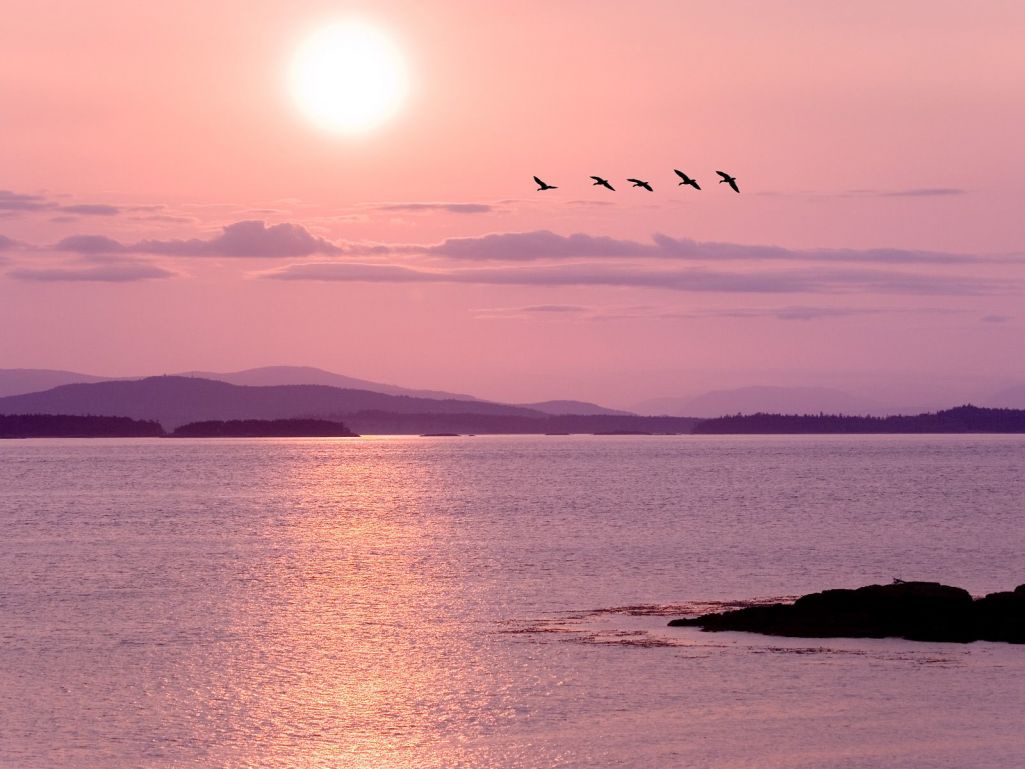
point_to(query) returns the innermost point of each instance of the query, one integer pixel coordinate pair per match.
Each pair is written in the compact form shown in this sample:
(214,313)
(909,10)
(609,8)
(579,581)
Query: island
(916,611)
(68,426)
(265,428)
(963,419)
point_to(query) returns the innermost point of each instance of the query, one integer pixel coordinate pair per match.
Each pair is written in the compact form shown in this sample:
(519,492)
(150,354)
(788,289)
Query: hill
(269,376)
(174,401)
(963,419)
(66,426)
(17,381)
(265,428)
(573,407)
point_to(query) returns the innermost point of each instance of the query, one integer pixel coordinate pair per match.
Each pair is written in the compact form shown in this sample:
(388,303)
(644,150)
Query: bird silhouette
(603,182)
(730,180)
(542,186)
(687,180)
(639,183)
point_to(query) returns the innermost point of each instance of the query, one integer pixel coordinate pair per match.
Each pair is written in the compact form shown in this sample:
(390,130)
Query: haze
(168,207)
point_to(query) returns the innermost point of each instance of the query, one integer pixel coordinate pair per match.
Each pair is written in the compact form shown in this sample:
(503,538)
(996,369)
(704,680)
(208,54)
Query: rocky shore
(917,611)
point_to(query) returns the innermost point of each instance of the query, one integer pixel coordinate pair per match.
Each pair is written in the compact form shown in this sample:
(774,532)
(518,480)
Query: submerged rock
(917,611)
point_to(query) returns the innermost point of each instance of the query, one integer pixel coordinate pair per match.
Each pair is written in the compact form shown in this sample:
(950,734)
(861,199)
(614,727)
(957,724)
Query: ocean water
(495,602)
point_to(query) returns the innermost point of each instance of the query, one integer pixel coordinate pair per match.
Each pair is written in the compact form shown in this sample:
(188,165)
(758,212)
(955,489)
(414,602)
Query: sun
(348,77)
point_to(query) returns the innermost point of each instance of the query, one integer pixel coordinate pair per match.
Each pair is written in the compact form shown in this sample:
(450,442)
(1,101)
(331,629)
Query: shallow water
(494,601)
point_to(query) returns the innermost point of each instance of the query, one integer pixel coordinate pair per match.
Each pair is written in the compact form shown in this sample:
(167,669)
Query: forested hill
(963,419)
(265,428)
(68,426)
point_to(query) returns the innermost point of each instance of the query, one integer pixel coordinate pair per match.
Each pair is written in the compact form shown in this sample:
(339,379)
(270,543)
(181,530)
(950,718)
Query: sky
(167,205)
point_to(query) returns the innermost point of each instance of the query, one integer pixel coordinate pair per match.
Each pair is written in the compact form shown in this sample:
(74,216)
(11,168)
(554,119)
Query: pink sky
(877,144)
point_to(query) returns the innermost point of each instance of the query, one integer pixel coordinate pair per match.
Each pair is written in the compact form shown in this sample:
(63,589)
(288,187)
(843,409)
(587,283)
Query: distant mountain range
(16,381)
(24,381)
(573,407)
(267,376)
(175,400)
(716,403)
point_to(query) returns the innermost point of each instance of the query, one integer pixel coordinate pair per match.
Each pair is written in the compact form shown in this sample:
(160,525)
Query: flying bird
(603,182)
(542,186)
(730,180)
(639,183)
(687,180)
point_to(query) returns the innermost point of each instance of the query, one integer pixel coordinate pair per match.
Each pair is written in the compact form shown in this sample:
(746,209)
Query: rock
(917,611)
(1001,616)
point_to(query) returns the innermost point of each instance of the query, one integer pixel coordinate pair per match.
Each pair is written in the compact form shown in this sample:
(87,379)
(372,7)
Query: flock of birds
(599,181)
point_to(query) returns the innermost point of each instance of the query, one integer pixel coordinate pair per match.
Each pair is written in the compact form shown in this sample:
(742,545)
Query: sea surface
(495,602)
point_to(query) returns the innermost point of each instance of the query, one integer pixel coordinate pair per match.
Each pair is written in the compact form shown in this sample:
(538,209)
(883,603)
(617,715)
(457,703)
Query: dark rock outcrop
(1001,616)
(917,611)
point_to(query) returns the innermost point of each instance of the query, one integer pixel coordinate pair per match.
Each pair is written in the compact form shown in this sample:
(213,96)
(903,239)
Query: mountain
(774,400)
(176,400)
(1010,398)
(23,381)
(308,375)
(15,381)
(574,407)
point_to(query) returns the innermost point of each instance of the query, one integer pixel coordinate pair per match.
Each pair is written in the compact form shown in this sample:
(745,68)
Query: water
(494,602)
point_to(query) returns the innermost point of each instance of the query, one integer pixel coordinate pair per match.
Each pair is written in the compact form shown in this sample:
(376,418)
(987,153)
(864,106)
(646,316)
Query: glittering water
(494,602)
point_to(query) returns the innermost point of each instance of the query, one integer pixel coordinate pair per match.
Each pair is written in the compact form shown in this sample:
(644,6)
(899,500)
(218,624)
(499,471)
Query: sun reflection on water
(355,635)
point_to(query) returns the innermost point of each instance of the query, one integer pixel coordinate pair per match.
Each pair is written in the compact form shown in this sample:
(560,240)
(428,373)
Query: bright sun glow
(348,77)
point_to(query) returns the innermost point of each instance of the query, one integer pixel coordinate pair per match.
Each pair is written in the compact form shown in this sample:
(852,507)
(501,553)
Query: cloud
(171,218)
(92,209)
(996,318)
(89,244)
(534,309)
(795,313)
(253,238)
(914,192)
(452,208)
(245,239)
(7,244)
(540,244)
(241,239)
(546,308)
(13,201)
(110,273)
(670,312)
(547,245)
(689,280)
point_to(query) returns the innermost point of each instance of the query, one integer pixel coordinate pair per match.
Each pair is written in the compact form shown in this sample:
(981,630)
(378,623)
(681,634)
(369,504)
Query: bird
(603,182)
(542,186)
(730,180)
(687,180)
(639,183)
